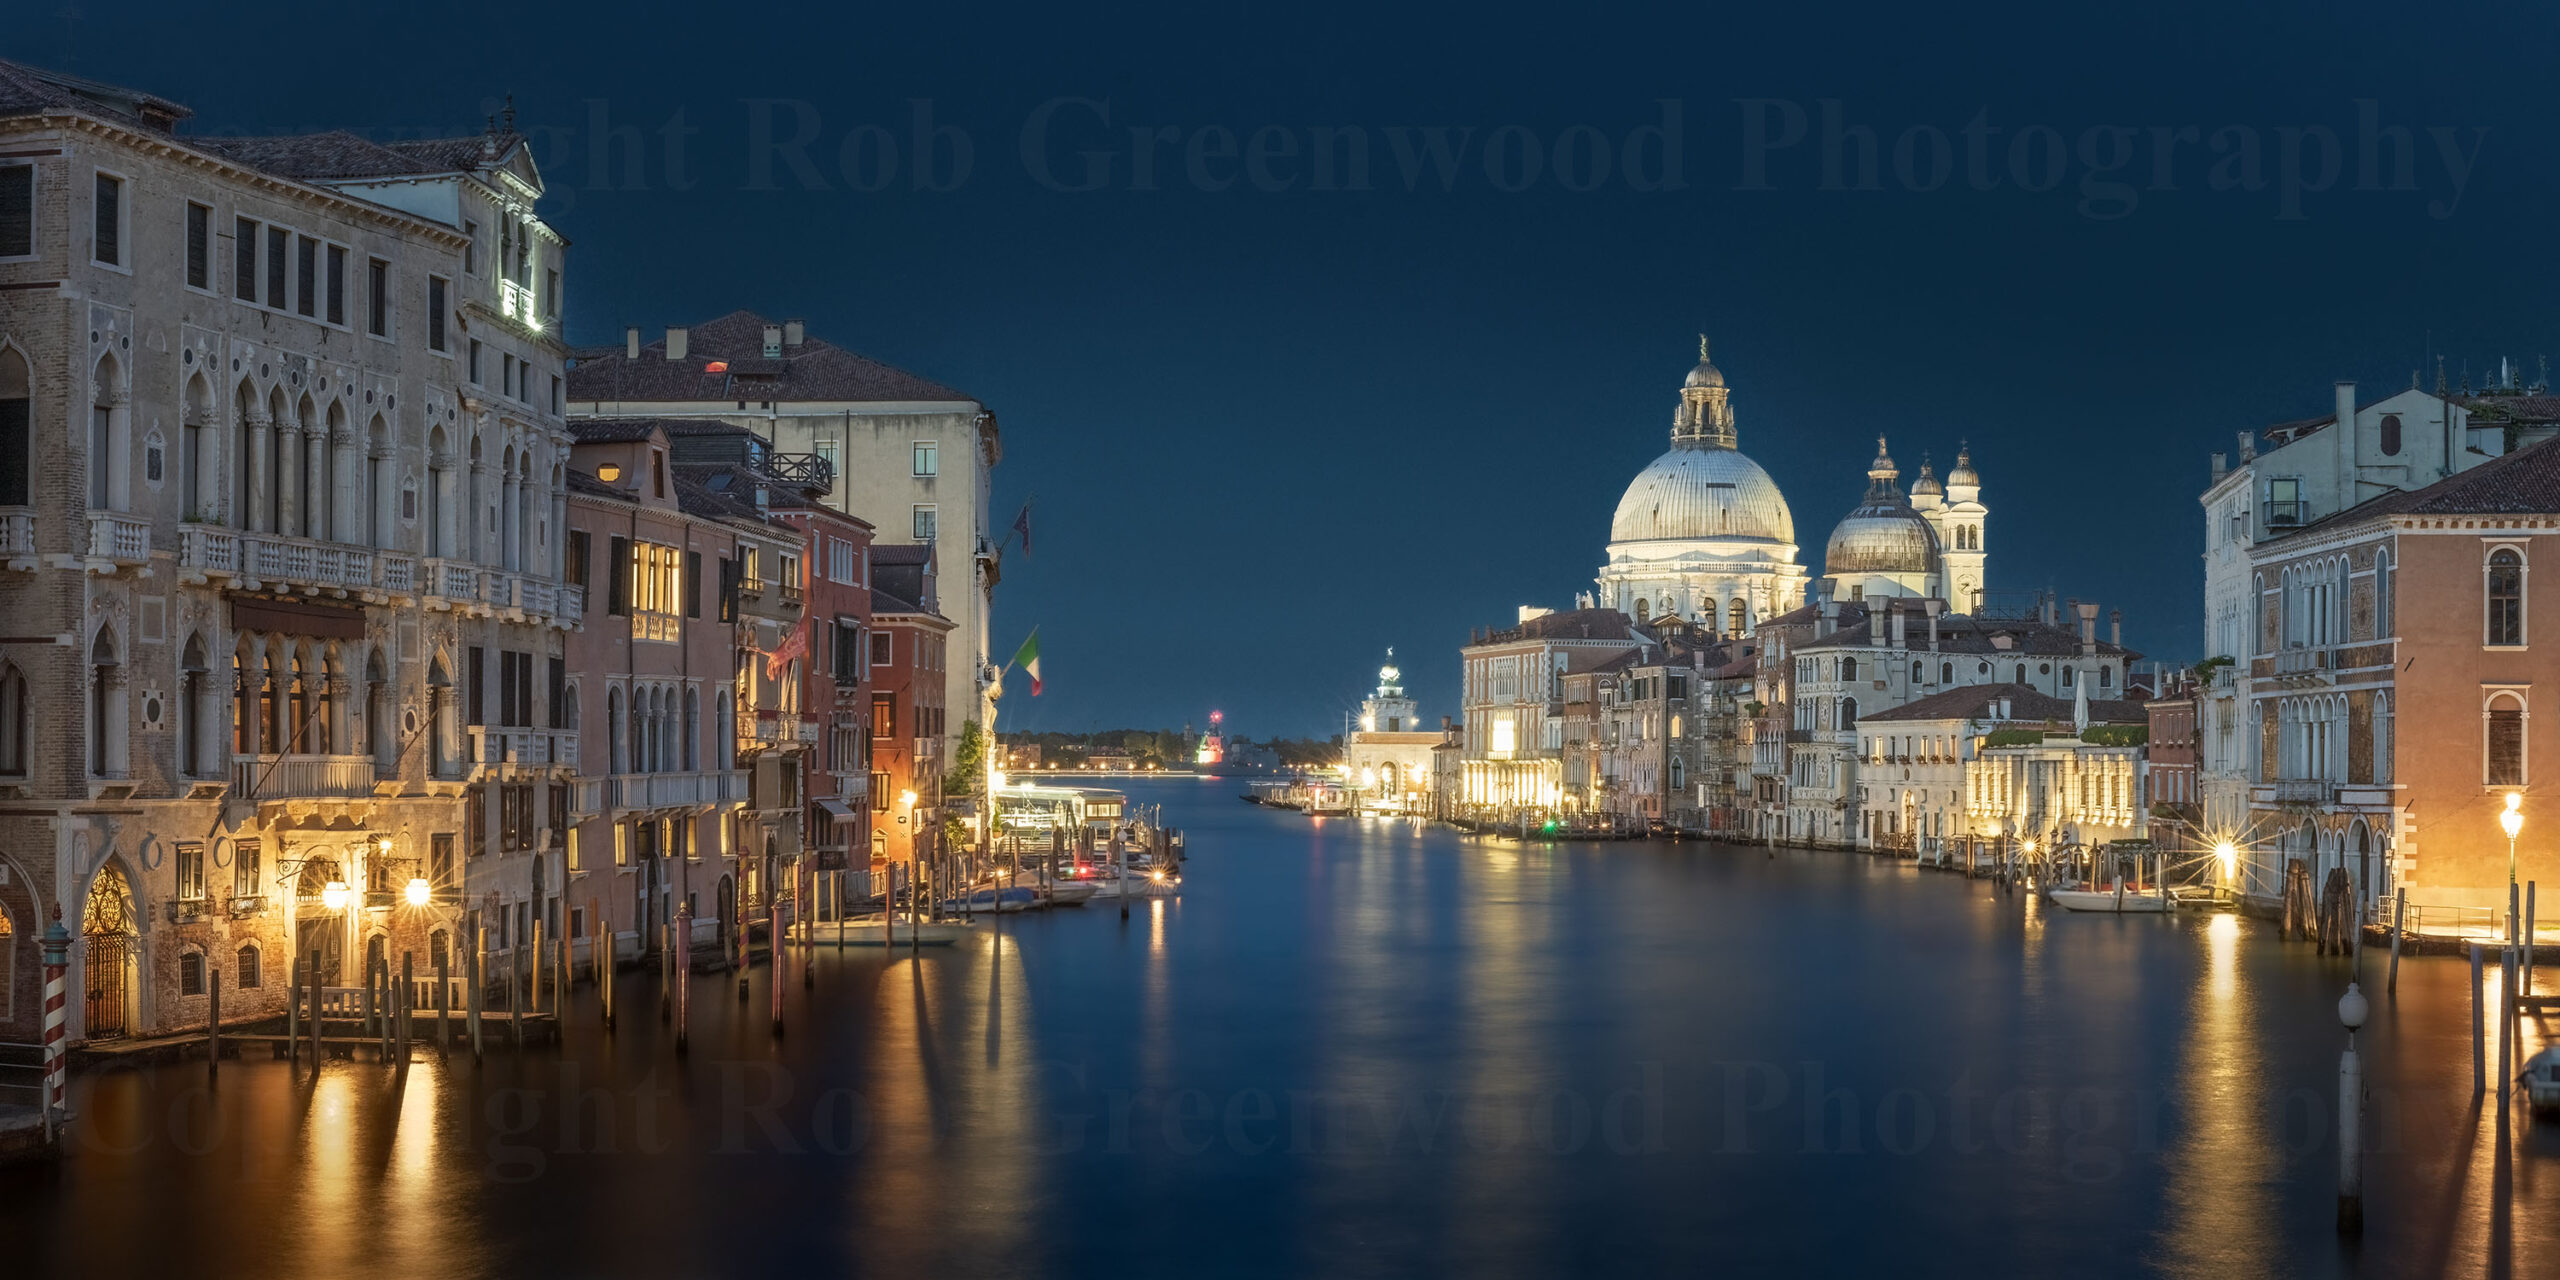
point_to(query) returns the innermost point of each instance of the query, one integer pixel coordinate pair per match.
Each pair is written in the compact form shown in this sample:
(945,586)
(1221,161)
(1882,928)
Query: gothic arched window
(2505,621)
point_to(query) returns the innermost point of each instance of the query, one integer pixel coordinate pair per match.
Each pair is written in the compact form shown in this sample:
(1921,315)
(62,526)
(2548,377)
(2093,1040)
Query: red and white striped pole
(57,967)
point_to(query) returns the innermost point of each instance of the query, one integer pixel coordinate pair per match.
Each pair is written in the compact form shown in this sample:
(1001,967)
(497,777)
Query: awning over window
(837,809)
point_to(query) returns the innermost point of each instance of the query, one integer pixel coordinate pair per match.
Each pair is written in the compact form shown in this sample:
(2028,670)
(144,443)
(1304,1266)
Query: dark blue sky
(1274,428)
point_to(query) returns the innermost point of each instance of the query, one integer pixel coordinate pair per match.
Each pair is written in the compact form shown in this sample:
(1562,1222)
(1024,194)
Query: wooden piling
(408,999)
(444,1000)
(600,959)
(213,1019)
(515,991)
(364,1001)
(293,1009)
(316,1013)
(683,969)
(381,977)
(472,993)
(774,971)
(2524,958)
(2506,1025)
(2399,924)
(2479,1029)
(533,977)
(666,971)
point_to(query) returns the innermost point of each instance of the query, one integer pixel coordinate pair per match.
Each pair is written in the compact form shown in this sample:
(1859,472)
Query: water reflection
(1395,1005)
(2221,1167)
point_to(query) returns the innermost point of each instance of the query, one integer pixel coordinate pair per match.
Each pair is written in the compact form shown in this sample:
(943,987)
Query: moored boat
(2120,900)
(866,931)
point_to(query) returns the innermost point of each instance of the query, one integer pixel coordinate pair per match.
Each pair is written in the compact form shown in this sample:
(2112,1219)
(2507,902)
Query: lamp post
(2351,1014)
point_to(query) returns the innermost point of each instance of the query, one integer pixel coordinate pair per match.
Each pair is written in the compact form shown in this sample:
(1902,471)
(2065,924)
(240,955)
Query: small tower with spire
(1960,527)
(1705,418)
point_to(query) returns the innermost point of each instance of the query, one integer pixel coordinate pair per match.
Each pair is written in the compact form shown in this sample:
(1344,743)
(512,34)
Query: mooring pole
(213,1019)
(2399,925)
(2479,1029)
(2351,1013)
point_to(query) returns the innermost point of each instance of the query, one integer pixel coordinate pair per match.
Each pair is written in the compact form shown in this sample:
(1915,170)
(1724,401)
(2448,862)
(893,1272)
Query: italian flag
(1028,658)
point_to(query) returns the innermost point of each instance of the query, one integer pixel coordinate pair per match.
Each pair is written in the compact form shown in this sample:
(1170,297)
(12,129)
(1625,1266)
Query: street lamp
(418,891)
(2512,822)
(334,895)
(2228,854)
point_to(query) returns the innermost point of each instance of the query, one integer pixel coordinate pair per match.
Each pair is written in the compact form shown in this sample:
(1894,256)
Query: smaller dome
(1927,485)
(1881,539)
(1963,473)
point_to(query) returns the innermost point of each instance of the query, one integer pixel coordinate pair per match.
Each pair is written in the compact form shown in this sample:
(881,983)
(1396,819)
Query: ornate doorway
(107,929)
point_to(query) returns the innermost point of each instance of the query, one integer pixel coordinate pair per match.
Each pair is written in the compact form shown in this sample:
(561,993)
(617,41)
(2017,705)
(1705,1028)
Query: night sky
(1273,427)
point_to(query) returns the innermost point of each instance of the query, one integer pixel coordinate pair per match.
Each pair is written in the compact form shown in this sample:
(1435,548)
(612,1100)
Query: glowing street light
(906,797)
(2228,854)
(334,895)
(2512,822)
(418,891)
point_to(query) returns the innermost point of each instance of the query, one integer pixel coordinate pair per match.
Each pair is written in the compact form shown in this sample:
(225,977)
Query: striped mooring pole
(57,1011)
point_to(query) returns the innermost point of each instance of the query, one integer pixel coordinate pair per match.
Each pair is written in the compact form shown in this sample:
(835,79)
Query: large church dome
(1702,492)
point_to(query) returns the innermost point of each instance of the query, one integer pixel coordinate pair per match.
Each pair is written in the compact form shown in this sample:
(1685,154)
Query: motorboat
(1071,893)
(1113,882)
(867,931)
(993,900)
(2120,900)
(2542,1080)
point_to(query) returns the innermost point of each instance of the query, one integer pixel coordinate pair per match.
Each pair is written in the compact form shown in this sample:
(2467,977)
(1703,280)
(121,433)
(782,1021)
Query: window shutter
(728,589)
(618,591)
(693,584)
(477,670)
(559,693)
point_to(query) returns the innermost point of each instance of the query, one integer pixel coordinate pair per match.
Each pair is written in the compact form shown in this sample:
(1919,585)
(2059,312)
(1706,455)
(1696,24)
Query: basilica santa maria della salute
(1703,534)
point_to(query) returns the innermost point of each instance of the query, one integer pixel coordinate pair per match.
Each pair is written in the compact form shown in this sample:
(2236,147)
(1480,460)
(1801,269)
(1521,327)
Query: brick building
(835,559)
(910,646)
(281,474)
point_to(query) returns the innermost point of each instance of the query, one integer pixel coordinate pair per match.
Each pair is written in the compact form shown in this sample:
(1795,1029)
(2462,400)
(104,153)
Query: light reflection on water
(1359,1048)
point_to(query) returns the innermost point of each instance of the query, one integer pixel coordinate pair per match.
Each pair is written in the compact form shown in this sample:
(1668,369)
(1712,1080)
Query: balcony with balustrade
(274,779)
(628,792)
(18,539)
(117,541)
(528,748)
(282,562)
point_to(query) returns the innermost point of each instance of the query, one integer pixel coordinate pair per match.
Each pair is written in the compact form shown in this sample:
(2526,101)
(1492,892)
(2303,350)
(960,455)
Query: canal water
(1360,1048)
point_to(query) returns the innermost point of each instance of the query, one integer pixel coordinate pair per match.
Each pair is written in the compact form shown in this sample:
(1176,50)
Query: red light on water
(716,366)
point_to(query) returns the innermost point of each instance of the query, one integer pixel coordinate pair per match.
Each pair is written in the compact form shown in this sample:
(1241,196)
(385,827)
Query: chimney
(1934,606)
(676,344)
(2115,627)
(2088,612)
(773,342)
(1900,618)
(631,342)
(2346,447)
(2248,445)
(794,333)
(2221,467)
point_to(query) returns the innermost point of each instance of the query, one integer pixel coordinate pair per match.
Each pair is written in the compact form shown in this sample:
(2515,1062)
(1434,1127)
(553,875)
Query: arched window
(1737,616)
(2503,736)
(439,705)
(1641,615)
(1679,774)
(1946,673)
(378,735)
(244,969)
(17,412)
(439,494)
(1848,668)
(2106,676)
(2390,435)
(106,707)
(613,730)
(1918,672)
(1848,715)
(377,493)
(191,973)
(724,735)
(105,484)
(2505,622)
(2022,673)
(692,729)
(195,708)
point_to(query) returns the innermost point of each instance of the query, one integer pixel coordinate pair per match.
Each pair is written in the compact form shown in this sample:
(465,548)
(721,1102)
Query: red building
(835,703)
(909,652)
(2171,767)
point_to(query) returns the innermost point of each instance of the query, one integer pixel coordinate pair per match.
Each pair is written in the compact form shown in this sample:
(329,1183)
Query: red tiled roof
(2525,482)
(1973,702)
(816,370)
